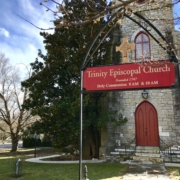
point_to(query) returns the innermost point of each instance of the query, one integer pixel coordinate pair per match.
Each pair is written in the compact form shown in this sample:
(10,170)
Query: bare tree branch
(64,17)
(35,25)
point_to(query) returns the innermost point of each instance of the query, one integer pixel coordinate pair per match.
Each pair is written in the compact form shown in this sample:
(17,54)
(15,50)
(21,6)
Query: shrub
(29,142)
(46,143)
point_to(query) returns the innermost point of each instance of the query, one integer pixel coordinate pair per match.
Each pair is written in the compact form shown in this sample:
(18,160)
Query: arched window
(142,44)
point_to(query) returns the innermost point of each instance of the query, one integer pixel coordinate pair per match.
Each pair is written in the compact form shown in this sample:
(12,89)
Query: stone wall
(126,103)
(176,100)
(166,101)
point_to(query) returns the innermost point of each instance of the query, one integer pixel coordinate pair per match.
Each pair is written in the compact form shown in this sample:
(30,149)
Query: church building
(153,114)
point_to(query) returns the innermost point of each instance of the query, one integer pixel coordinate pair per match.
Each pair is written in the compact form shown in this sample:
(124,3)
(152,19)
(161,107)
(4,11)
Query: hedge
(30,142)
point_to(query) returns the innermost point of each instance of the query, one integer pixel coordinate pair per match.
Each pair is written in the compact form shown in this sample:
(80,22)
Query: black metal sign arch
(112,22)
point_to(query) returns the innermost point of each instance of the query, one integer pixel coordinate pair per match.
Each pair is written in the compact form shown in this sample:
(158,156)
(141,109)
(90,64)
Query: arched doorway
(146,122)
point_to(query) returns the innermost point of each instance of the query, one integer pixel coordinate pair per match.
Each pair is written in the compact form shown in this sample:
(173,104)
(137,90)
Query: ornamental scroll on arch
(124,48)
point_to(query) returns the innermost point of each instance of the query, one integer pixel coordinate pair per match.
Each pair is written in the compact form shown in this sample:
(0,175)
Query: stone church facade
(154,121)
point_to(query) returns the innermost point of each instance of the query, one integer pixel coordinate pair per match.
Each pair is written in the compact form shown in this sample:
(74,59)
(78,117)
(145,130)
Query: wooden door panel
(146,123)
(152,128)
(140,130)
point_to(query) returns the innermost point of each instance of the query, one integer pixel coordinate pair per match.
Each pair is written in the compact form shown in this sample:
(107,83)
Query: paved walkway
(146,171)
(137,170)
(41,160)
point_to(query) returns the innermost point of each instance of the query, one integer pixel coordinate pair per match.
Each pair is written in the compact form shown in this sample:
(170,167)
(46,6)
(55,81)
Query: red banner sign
(129,76)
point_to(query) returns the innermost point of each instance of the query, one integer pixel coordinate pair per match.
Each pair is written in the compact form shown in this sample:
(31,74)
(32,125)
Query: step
(172,151)
(151,159)
(114,153)
(168,155)
(147,149)
(147,154)
(121,153)
(124,150)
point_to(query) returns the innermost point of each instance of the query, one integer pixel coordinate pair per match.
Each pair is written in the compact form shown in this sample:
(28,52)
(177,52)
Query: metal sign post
(80,127)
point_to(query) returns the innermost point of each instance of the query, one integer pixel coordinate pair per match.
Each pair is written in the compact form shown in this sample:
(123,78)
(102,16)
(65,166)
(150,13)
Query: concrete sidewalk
(138,170)
(146,171)
(41,160)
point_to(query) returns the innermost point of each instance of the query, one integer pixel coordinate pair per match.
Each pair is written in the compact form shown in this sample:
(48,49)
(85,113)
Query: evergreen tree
(55,84)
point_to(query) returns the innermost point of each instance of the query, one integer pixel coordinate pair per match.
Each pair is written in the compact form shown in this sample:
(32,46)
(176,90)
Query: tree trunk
(97,142)
(94,141)
(14,144)
(92,145)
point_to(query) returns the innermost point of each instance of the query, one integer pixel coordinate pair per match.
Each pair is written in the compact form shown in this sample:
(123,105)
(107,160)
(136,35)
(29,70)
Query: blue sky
(19,40)
(177,13)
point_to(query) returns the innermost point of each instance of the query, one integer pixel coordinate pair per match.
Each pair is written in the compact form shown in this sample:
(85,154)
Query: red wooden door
(146,122)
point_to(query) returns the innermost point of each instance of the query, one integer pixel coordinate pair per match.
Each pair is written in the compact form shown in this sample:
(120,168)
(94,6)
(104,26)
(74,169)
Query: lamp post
(35,145)
(144,94)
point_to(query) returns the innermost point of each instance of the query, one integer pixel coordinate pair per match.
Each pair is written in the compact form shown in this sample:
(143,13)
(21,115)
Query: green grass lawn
(36,171)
